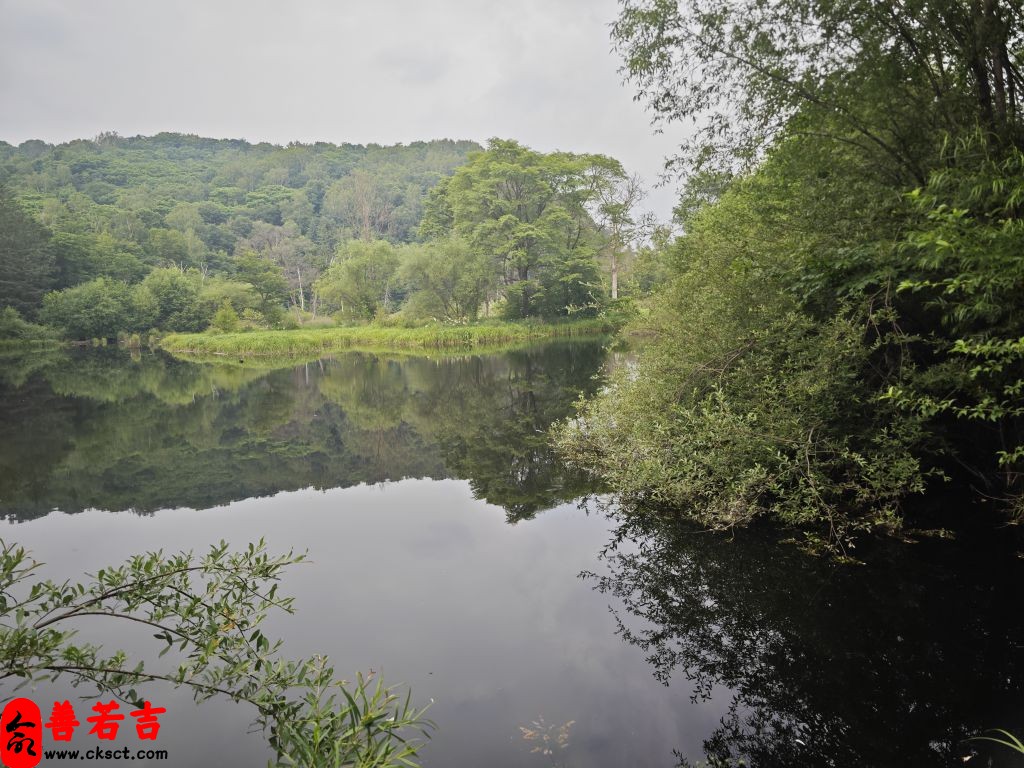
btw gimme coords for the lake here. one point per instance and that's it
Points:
(451, 552)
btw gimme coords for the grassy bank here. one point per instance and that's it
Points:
(19, 345)
(303, 343)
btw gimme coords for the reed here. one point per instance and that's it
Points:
(314, 342)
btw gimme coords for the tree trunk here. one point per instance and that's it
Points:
(615, 276)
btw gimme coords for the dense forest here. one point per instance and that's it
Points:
(181, 233)
(844, 327)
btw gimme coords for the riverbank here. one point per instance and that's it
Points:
(431, 337)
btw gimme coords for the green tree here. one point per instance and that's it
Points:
(266, 278)
(529, 213)
(80, 258)
(226, 318)
(446, 279)
(176, 294)
(504, 203)
(14, 328)
(613, 199)
(100, 308)
(168, 247)
(361, 205)
(26, 258)
(362, 281)
(889, 80)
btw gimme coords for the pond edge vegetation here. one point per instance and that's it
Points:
(370, 338)
(208, 612)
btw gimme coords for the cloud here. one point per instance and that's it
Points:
(390, 71)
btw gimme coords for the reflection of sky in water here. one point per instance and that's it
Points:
(434, 587)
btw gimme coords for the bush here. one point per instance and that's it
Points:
(14, 328)
(226, 319)
(312, 719)
(783, 428)
(97, 309)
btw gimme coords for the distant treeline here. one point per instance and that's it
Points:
(172, 231)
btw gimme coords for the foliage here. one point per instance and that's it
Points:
(842, 319)
(13, 328)
(266, 278)
(207, 612)
(26, 258)
(226, 320)
(83, 257)
(175, 297)
(307, 224)
(888, 80)
(119, 207)
(541, 219)
(772, 429)
(98, 309)
(361, 283)
(317, 341)
(968, 275)
(447, 280)
(1010, 741)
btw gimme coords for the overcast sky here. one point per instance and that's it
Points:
(384, 71)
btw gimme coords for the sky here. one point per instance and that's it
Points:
(382, 71)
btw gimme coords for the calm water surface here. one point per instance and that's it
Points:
(451, 551)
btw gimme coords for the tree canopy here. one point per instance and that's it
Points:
(841, 326)
(318, 228)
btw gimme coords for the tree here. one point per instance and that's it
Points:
(614, 196)
(446, 279)
(226, 318)
(266, 278)
(527, 211)
(80, 258)
(208, 613)
(13, 327)
(100, 308)
(26, 258)
(294, 253)
(176, 297)
(360, 203)
(887, 78)
(361, 281)
(812, 274)
(504, 204)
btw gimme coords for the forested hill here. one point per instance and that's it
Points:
(118, 206)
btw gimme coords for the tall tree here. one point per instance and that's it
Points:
(613, 199)
(360, 202)
(890, 78)
(530, 213)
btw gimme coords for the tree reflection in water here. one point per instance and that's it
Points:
(108, 430)
(890, 663)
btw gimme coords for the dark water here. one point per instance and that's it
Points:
(451, 550)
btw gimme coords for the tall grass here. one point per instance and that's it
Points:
(316, 341)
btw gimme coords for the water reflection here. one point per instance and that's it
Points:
(890, 663)
(103, 429)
